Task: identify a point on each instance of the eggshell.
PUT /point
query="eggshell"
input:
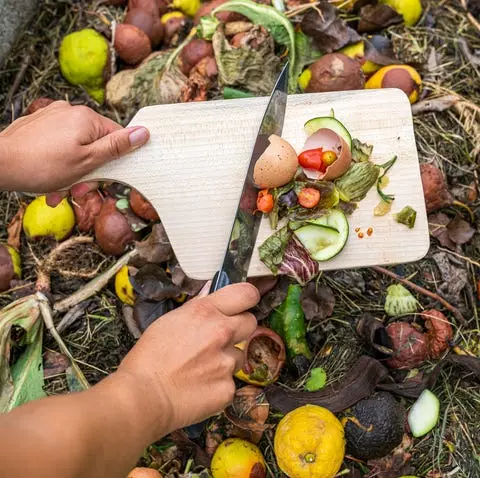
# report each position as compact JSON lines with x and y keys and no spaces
{"x":277,"y":165}
{"x":328,"y":140}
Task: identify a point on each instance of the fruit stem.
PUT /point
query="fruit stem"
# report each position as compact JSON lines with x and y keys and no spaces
{"x":310,"y":457}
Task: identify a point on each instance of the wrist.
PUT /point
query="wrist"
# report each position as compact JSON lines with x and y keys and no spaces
{"x":145,"y":406}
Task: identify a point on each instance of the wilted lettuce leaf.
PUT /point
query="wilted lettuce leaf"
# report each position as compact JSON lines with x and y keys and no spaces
{"x":278,"y":25}
{"x":328,"y":30}
{"x":297,"y":263}
{"x":306,"y":53}
{"x":328,"y":199}
{"x":361,"y":151}
{"x":255,"y":70}
{"x":273,"y":249}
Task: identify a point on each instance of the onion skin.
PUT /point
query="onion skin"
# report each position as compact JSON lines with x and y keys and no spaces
{"x":131,"y":44}
{"x":112,"y":231}
{"x":141,"y":207}
{"x":86,"y":209}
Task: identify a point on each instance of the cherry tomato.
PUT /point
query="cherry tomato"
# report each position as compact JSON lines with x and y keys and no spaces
{"x":329,"y":157}
{"x":264,"y":201}
{"x":312,"y":159}
{"x":309,"y":197}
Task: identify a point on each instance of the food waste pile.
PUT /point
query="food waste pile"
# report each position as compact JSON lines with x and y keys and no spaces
{"x":358,"y":373}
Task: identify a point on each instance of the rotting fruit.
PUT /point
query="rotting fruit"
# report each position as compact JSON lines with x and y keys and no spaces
{"x":237,"y":458}
{"x":403,"y":77}
{"x":356,"y":51}
{"x":131,"y":44}
{"x":374,"y":426}
{"x":123,"y":286}
{"x":309,"y":441}
{"x":41,"y":220}
{"x":409,"y":346}
{"x":141,"y":207}
{"x":86,"y":209}
{"x":83,"y":58}
{"x":10,"y":266}
{"x":141,"y":472}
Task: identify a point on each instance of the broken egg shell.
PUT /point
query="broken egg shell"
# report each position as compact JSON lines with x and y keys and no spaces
{"x":277,"y":165}
{"x":328,"y":140}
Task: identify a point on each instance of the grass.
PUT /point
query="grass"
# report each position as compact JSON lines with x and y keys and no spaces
{"x":99,"y":339}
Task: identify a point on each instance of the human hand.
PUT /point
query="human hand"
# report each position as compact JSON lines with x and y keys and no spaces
{"x":57,"y":145}
{"x":184,"y":362}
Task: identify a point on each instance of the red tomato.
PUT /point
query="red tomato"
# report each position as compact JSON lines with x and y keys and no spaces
{"x":264,"y":201}
{"x":312,"y":159}
{"x":309,"y":197}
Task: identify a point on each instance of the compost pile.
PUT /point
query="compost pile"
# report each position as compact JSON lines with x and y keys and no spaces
{"x":376,"y":369}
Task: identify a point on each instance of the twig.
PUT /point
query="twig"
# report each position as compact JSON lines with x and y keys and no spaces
{"x":93,"y":286}
{"x":434,"y":105}
{"x":458,"y":315}
{"x":72,"y":315}
{"x":471,"y":18}
{"x":19,"y":78}
{"x":48,"y":320}
{"x":49,"y":263}
{"x":471,"y":261}
{"x":473,"y":59}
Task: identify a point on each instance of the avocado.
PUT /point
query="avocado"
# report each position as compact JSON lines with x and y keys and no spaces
{"x":374,"y":426}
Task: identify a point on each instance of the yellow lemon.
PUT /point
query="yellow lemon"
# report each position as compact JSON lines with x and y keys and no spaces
{"x":309,"y":441}
{"x":304,"y":79}
{"x":189,"y":7}
{"x":236,"y":458}
{"x":123,"y":286}
{"x":41,"y":220}
{"x":83,"y":58}
{"x":356,"y":51}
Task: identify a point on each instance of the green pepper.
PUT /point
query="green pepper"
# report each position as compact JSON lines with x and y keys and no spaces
{"x":289,"y":322}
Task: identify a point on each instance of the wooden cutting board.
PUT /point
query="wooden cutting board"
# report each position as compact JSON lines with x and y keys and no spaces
{"x":193,"y":168}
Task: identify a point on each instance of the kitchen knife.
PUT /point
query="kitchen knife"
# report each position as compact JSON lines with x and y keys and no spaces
{"x":246,"y":224}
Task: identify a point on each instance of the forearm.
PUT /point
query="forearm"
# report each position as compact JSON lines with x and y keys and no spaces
{"x":98,"y":433}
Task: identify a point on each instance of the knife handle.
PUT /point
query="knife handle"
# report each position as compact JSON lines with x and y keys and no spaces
{"x":220,"y":280}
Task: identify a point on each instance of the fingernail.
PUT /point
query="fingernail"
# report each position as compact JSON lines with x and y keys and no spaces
{"x":79,"y":190}
{"x":138,"y":136}
{"x":54,"y":199}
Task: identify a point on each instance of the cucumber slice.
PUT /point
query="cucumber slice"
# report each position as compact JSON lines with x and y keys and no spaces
{"x":313,"y":125}
{"x":326,"y":236}
{"x":423,"y":415}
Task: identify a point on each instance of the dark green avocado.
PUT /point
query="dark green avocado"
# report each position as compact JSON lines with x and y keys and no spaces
{"x":374,"y":426}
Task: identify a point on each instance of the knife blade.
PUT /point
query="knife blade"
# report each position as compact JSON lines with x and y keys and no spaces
{"x":245,"y":227}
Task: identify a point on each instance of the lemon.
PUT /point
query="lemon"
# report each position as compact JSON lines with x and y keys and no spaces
{"x":304,"y":79}
{"x":411,"y":10}
{"x":41,"y":220}
{"x":237,"y":458}
{"x":189,"y":7}
{"x":123,"y":286}
{"x":83,"y":57}
{"x":309,"y":441}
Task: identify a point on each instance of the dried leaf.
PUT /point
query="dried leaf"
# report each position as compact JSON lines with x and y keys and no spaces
{"x":189,"y":448}
{"x":317,"y":301}
{"x":155,"y":248}
{"x":358,"y":383}
{"x":187,"y":285}
{"x":54,"y":363}
{"x":454,"y":278}
{"x":24,"y":380}
{"x":373,"y":333}
{"x":437,"y":225}
{"x":151,"y":282}
{"x":14,"y":229}
{"x":272,"y":299}
{"x":329,"y":32}
{"x":146,"y":312}
{"x":376,"y":17}
{"x":395,"y":464}
{"x":379,"y":50}
{"x":459,"y":230}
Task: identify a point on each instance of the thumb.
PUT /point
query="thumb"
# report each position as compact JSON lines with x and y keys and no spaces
{"x":116,"y":144}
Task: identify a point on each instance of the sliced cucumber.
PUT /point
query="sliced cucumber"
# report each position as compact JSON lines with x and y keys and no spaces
{"x":326,"y":236}
{"x":423,"y":415}
{"x":313,"y":125}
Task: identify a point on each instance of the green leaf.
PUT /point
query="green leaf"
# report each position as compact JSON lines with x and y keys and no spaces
{"x":305,"y":53}
{"x":277,"y":24}
{"x":233,"y":93}
{"x":406,"y":216}
{"x":317,"y":380}
{"x":27,"y":371}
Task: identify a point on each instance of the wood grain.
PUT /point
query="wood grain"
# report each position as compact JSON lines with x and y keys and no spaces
{"x":193,"y":168}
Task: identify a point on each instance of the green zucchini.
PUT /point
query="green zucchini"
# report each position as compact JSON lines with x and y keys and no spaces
{"x":313,"y":125}
{"x":326,"y":236}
